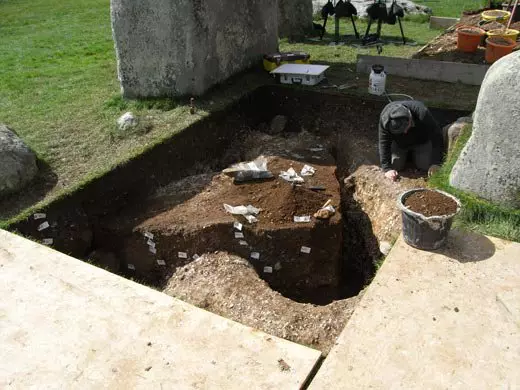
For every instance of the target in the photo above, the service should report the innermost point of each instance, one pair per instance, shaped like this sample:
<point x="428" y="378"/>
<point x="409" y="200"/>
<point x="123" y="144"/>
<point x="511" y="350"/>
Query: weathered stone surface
<point x="361" y="5"/>
<point x="489" y="165"/>
<point x="278" y="124"/>
<point x="17" y="162"/>
<point x="452" y="132"/>
<point x="294" y="18"/>
<point x="170" y="48"/>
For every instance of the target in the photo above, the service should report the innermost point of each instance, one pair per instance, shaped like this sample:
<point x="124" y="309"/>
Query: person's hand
<point x="392" y="175"/>
<point x="433" y="170"/>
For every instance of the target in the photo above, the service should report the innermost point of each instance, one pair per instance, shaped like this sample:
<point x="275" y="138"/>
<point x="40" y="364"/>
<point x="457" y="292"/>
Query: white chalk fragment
<point x="302" y="219"/>
<point x="278" y="266"/>
<point x="161" y="262"/>
<point x="239" y="235"/>
<point x="195" y="256"/>
<point x="43" y="226"/>
<point x="238" y="226"/>
<point x="243" y="243"/>
<point x="48" y="241"/>
<point x="255" y="255"/>
<point x="251" y="218"/>
<point x="39" y="216"/>
<point x="291" y="176"/>
<point x="151" y="243"/>
<point x="307" y="170"/>
<point x="148" y="235"/>
<point x="152" y="249"/>
<point x="241" y="210"/>
<point x="183" y="255"/>
<point x="305" y="249"/>
<point x="268" y="270"/>
<point x="131" y="266"/>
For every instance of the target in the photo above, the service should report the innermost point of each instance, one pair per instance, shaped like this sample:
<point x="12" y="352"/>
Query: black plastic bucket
<point x="427" y="233"/>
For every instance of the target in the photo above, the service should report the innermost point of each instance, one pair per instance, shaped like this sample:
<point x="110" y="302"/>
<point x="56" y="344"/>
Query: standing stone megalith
<point x="180" y="47"/>
<point x="294" y="18"/>
<point x="489" y="165"/>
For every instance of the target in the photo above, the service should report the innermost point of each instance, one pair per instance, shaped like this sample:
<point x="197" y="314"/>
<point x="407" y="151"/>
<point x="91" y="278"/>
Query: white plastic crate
<point x="300" y="73"/>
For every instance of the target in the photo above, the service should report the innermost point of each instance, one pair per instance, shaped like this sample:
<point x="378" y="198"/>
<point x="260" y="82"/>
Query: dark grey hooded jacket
<point x="425" y="129"/>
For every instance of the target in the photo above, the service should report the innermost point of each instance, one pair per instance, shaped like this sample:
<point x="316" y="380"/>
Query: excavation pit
<point x="160" y="218"/>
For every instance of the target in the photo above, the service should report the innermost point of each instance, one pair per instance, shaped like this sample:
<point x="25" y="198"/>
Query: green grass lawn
<point x="452" y="8"/>
<point x="417" y="33"/>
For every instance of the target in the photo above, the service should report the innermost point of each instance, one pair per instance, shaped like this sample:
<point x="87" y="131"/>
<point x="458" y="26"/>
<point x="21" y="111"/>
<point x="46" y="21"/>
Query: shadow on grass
<point x="34" y="192"/>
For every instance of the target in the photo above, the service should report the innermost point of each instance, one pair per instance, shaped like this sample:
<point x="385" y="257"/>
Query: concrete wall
<point x="179" y="47"/>
<point x="294" y="18"/>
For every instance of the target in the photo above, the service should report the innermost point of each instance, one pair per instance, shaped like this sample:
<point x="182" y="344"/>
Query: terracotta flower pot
<point x="468" y="38"/>
<point x="498" y="47"/>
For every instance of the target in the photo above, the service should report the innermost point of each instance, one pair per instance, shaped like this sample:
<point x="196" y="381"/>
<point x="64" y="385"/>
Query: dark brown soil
<point x="430" y="203"/>
<point x="499" y="41"/>
<point x="470" y="31"/>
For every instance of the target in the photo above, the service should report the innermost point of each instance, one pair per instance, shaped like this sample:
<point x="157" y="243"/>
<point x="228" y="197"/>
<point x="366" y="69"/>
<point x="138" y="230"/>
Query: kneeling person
<point x="408" y="126"/>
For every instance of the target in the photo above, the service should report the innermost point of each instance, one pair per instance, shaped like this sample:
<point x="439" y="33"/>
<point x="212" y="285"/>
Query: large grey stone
<point x="171" y="48"/>
<point x="17" y="162"/>
<point x="489" y="165"/>
<point x="294" y="18"/>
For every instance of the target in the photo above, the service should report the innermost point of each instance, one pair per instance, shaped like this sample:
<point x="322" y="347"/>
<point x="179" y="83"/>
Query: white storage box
<point x="300" y="73"/>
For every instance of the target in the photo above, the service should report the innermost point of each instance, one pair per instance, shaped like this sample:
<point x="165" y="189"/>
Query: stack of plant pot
<point x="499" y="42"/>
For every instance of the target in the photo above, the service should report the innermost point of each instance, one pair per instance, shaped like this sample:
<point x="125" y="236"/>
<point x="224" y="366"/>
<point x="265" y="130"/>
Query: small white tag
<point x="43" y="226"/>
<point x="151" y="243"/>
<point x="39" y="216"/>
<point x="268" y="270"/>
<point x="152" y="249"/>
<point x="148" y="235"/>
<point x="305" y="249"/>
<point x="255" y="255"/>
<point x="47" y="241"/>
<point x="131" y="266"/>
<point x="183" y="255"/>
<point x="243" y="243"/>
<point x="195" y="256"/>
<point x="237" y="225"/>
<point x="316" y="149"/>
<point x="302" y="219"/>
<point x="239" y="235"/>
<point x="161" y="262"/>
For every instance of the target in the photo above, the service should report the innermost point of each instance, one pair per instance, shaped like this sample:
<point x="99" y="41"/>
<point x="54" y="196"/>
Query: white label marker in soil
<point x="268" y="270"/>
<point x="243" y="243"/>
<point x="239" y="235"/>
<point x="255" y="255"/>
<point x="148" y="235"/>
<point x="152" y="249"/>
<point x="183" y="255"/>
<point x="47" y="241"/>
<point x="302" y="219"/>
<point x="39" y="216"/>
<point x="161" y="262"/>
<point x="237" y="225"/>
<point x="43" y="226"/>
<point x="131" y="266"/>
<point x="305" y="249"/>
<point x="151" y="243"/>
